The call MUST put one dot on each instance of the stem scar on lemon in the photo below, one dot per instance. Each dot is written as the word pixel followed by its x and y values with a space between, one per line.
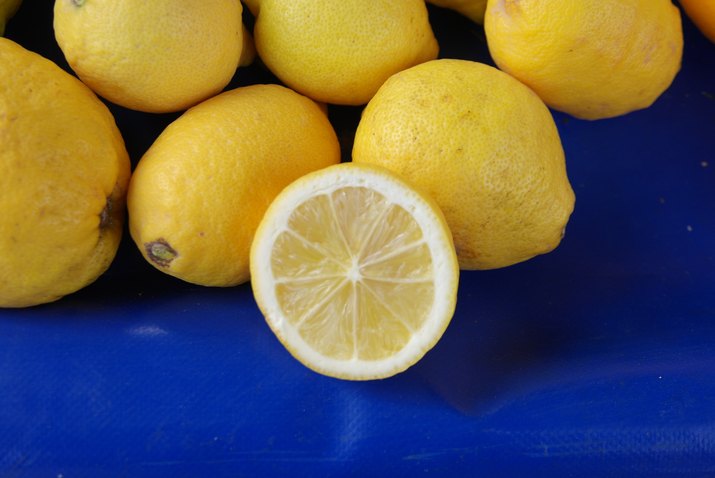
pixel 160 252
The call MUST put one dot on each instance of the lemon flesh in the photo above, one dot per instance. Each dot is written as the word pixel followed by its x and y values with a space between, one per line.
pixel 355 272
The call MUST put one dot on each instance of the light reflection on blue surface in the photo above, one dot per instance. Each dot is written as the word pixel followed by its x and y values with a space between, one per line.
pixel 147 331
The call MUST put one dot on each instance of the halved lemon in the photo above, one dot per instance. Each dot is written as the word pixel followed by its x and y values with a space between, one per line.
pixel 355 271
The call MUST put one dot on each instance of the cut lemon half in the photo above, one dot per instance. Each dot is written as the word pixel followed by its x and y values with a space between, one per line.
pixel 355 271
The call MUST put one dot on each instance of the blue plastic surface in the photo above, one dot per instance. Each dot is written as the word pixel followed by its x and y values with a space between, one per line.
pixel 597 359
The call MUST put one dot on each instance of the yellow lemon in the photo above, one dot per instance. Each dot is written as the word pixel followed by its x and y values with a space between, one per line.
pixel 199 192
pixel 355 271
pixel 63 182
pixel 155 56
pixel 590 58
pixel 702 13
pixel 484 146
pixel 472 9
pixel 7 10
pixel 341 51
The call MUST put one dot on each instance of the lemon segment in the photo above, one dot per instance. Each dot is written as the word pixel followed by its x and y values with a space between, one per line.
pixel 355 272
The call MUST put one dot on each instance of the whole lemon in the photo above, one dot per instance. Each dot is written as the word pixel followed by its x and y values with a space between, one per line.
pixel 64 175
pixel 484 146
pixel 590 58
pixel 154 56
pixel 702 13
pixel 7 10
pixel 197 195
pixel 472 9
pixel 341 51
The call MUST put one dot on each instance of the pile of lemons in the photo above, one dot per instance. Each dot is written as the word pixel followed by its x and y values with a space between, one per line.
pixel 355 266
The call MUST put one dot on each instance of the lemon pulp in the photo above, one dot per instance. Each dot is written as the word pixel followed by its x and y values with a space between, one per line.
pixel 355 271
pixel 370 278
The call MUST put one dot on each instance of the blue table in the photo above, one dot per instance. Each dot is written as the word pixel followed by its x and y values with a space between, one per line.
pixel 597 359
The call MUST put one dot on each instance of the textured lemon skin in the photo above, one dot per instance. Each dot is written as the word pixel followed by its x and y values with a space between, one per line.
pixel 154 56
pixel 64 175
pixel 592 59
pixel 472 9
pixel 484 146
pixel 341 52
pixel 204 184
pixel 7 10
pixel 702 13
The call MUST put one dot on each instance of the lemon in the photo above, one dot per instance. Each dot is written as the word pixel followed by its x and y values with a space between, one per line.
pixel 484 146
pixel 199 192
pixel 355 271
pixel 248 48
pixel 7 10
pixel 702 13
pixel 340 52
pixel 63 182
pixel 591 58
pixel 472 9
pixel 154 56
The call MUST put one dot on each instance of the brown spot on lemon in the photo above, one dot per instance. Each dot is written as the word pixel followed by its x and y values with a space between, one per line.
pixel 160 252
pixel 105 217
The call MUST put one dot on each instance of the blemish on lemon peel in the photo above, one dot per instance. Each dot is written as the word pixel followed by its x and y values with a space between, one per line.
pixel 78 3
pixel 105 217
pixel 160 252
